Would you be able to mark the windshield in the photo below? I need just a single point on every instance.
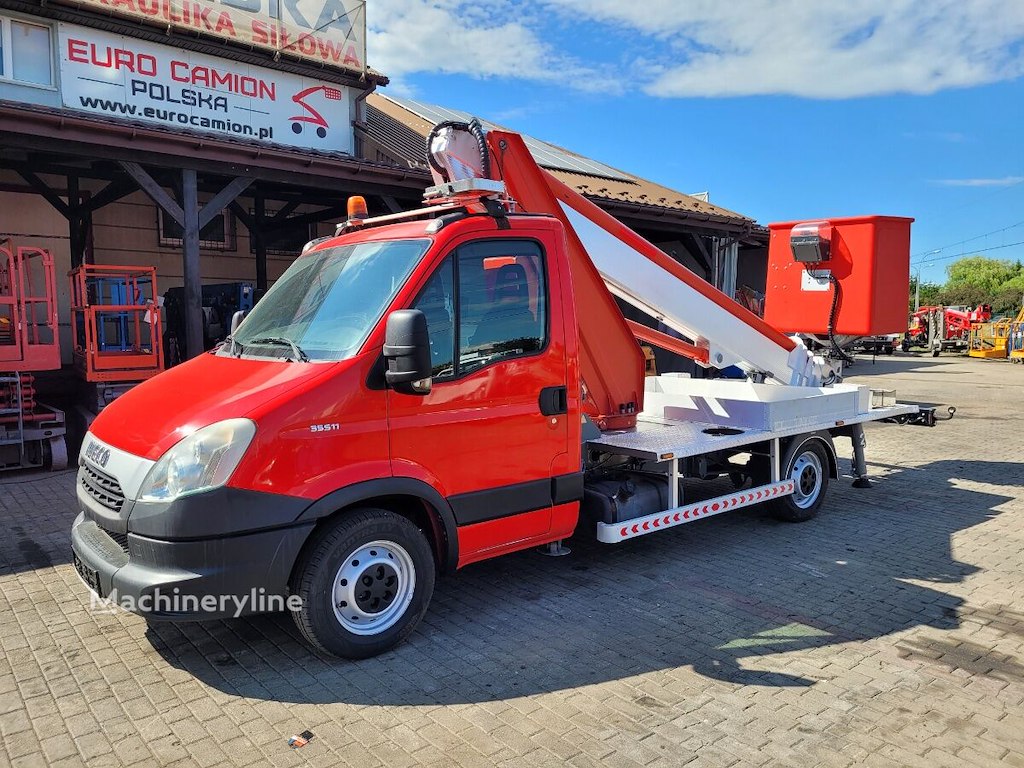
(325, 304)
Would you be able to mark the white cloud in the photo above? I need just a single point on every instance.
(709, 48)
(820, 49)
(459, 37)
(1005, 181)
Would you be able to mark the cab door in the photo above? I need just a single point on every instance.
(491, 436)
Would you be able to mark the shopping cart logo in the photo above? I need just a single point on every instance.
(310, 115)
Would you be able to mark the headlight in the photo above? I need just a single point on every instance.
(202, 461)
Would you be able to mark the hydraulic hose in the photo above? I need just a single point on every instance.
(839, 351)
(473, 127)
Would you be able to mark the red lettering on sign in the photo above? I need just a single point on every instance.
(179, 71)
(224, 23)
(76, 50)
(331, 51)
(145, 64)
(260, 33)
(124, 59)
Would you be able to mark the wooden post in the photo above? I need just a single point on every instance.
(75, 224)
(194, 341)
(259, 241)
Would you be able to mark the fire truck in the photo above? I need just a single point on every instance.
(429, 389)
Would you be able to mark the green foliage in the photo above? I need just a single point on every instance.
(974, 280)
(929, 295)
(988, 274)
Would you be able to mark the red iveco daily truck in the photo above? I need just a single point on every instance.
(429, 389)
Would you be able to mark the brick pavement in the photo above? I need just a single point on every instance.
(888, 632)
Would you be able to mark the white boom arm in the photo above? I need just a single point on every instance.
(731, 340)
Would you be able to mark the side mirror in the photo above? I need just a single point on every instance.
(236, 320)
(407, 351)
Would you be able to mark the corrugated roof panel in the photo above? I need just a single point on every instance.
(401, 139)
(547, 155)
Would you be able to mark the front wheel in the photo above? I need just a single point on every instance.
(364, 584)
(807, 466)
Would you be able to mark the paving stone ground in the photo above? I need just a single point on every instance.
(889, 631)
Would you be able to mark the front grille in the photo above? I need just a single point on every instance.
(104, 544)
(102, 487)
(121, 539)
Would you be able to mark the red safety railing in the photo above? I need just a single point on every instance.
(28, 310)
(115, 323)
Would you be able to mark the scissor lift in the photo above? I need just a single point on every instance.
(31, 433)
(1015, 339)
(115, 328)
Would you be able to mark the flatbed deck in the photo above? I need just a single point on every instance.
(661, 439)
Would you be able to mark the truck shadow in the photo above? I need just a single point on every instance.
(37, 509)
(726, 597)
(905, 362)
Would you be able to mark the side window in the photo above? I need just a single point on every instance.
(437, 302)
(502, 301)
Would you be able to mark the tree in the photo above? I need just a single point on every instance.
(987, 274)
(928, 295)
(974, 280)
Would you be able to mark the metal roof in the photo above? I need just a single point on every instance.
(402, 125)
(547, 155)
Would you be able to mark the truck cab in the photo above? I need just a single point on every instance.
(240, 473)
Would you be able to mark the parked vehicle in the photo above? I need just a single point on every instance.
(878, 345)
(433, 388)
(943, 328)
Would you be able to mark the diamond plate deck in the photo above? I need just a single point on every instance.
(658, 439)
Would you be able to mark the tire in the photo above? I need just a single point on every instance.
(364, 583)
(807, 464)
(890, 349)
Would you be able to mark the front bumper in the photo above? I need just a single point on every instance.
(207, 578)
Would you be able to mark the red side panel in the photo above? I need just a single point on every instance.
(611, 361)
(510, 534)
(869, 258)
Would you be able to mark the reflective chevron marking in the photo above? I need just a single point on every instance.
(611, 533)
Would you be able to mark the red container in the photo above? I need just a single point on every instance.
(869, 257)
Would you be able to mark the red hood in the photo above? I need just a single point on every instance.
(150, 418)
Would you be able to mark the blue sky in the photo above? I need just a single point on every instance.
(781, 109)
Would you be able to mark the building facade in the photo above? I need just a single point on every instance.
(212, 138)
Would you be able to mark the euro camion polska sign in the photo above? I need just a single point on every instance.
(130, 79)
(330, 32)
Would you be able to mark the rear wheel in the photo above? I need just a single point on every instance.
(806, 465)
(364, 584)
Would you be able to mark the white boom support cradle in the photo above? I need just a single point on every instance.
(639, 281)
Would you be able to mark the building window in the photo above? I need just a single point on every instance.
(218, 235)
(26, 55)
(283, 241)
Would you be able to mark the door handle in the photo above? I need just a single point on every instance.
(553, 401)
